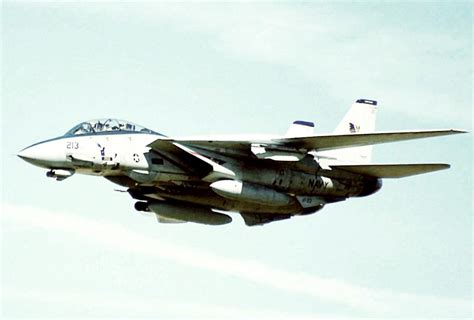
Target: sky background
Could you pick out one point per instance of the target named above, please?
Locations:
(78, 248)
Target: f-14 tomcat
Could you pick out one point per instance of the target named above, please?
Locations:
(264, 178)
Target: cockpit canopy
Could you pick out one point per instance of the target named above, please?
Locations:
(107, 125)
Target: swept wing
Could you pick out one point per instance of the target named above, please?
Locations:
(316, 142)
(329, 142)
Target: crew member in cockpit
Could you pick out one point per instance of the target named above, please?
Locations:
(85, 128)
(98, 127)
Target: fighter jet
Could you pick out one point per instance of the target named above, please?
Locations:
(201, 180)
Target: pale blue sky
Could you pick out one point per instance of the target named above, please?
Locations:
(77, 248)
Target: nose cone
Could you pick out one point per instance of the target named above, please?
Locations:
(29, 153)
(42, 154)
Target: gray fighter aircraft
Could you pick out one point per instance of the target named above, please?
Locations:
(264, 178)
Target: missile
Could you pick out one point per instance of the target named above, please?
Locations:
(185, 212)
(244, 191)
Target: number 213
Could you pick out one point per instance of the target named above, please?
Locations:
(72, 145)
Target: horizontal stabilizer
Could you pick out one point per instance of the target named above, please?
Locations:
(392, 170)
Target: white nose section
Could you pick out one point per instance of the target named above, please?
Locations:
(30, 153)
(44, 154)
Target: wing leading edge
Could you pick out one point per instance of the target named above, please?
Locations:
(316, 142)
(329, 142)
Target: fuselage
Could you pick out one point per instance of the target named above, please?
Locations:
(120, 151)
(124, 156)
(264, 178)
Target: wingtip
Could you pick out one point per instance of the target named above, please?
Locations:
(459, 131)
(444, 166)
(449, 131)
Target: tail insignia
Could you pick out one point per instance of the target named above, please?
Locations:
(353, 128)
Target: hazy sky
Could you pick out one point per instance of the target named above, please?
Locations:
(78, 248)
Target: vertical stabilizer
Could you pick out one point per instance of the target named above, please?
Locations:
(300, 129)
(359, 119)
